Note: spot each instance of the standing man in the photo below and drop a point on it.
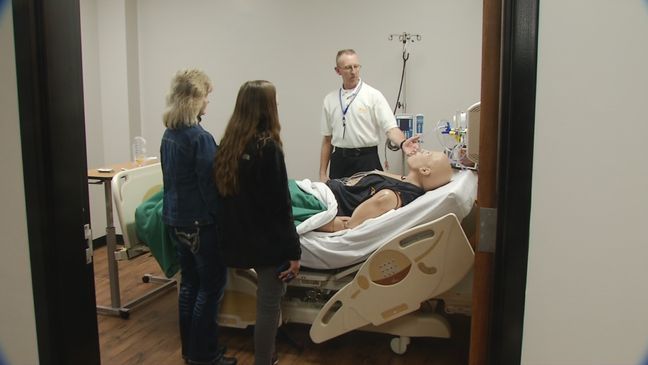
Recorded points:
(353, 117)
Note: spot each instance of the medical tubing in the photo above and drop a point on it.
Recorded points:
(444, 129)
(440, 128)
(453, 152)
(388, 142)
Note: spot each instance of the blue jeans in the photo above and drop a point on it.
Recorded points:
(201, 288)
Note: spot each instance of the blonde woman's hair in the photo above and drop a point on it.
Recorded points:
(186, 98)
(255, 117)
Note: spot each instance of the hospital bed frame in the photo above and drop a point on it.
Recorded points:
(129, 189)
(396, 290)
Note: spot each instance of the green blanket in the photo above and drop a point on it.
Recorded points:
(151, 230)
(304, 205)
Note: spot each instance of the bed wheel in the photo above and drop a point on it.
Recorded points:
(399, 344)
(146, 278)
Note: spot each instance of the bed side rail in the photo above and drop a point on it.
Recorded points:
(417, 265)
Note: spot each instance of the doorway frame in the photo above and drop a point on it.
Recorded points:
(49, 79)
(519, 61)
(50, 89)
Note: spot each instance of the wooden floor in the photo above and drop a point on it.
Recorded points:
(150, 335)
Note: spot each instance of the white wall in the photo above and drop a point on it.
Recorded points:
(587, 288)
(293, 44)
(93, 110)
(289, 42)
(18, 322)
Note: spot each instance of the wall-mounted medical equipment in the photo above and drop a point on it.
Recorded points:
(459, 137)
(472, 138)
(410, 124)
(419, 123)
(405, 123)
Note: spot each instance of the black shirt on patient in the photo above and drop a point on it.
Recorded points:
(349, 197)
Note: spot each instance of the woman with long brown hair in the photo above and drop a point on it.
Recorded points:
(255, 222)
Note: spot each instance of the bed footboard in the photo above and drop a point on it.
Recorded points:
(419, 264)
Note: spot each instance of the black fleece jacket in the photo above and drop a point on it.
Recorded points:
(256, 226)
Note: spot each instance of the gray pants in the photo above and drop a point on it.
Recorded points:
(270, 290)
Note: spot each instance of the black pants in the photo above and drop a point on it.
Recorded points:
(347, 161)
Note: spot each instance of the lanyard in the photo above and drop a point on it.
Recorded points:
(344, 110)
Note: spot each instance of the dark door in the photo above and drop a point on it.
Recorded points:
(509, 61)
(50, 94)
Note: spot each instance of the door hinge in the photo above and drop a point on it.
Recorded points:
(487, 230)
(87, 233)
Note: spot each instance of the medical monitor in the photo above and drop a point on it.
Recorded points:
(405, 123)
(472, 138)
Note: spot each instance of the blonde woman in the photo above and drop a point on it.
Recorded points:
(189, 212)
(256, 228)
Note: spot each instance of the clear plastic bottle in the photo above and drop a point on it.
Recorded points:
(139, 150)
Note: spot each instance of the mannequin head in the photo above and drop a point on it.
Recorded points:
(430, 168)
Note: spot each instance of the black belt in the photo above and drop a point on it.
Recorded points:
(355, 152)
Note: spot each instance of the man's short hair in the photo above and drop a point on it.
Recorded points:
(341, 52)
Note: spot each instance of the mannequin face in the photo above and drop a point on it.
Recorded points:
(432, 168)
(423, 158)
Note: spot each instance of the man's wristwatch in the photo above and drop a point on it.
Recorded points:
(401, 144)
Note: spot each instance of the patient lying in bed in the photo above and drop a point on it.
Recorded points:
(359, 198)
(371, 194)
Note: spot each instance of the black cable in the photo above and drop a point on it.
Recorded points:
(388, 142)
(400, 88)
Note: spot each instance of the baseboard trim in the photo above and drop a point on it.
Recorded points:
(101, 241)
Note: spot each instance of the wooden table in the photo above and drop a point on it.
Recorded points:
(104, 176)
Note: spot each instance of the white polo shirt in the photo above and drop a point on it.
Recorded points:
(368, 116)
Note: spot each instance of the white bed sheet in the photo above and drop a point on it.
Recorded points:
(322, 250)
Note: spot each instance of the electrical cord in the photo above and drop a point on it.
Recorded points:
(400, 88)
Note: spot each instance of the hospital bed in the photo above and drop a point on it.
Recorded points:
(129, 189)
(391, 274)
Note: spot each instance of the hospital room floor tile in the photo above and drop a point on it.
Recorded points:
(150, 336)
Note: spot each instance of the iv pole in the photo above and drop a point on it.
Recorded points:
(404, 38)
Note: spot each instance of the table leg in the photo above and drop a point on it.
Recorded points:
(113, 269)
(116, 307)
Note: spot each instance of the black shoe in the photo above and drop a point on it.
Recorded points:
(223, 360)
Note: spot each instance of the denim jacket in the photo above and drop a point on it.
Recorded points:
(187, 156)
